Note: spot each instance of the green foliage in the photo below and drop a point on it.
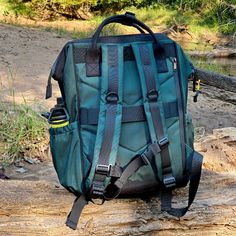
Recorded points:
(211, 13)
(20, 7)
(208, 65)
(108, 6)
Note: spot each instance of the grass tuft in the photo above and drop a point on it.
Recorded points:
(21, 131)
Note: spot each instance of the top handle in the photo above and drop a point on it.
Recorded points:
(93, 54)
(128, 19)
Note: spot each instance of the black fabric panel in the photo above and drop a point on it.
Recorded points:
(80, 56)
(123, 38)
(129, 114)
(161, 65)
(139, 189)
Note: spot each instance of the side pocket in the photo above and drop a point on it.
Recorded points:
(70, 164)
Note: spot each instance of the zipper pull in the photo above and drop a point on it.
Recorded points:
(174, 63)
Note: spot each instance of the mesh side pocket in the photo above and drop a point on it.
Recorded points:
(70, 164)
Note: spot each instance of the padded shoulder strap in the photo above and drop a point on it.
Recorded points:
(110, 117)
(144, 56)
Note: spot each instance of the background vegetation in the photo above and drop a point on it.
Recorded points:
(22, 133)
(220, 14)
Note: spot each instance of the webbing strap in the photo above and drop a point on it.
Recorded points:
(146, 158)
(111, 125)
(166, 199)
(129, 114)
(143, 54)
(76, 210)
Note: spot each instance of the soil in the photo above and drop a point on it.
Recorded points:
(26, 56)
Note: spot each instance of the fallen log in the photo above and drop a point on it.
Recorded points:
(40, 208)
(224, 82)
(215, 53)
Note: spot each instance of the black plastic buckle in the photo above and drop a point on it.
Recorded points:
(97, 190)
(163, 142)
(145, 158)
(169, 181)
(152, 95)
(112, 97)
(103, 169)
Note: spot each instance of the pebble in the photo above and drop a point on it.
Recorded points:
(21, 170)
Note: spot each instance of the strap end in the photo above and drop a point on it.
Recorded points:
(71, 224)
(48, 91)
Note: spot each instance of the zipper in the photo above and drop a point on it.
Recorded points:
(174, 61)
(176, 70)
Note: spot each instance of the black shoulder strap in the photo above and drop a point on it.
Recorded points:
(143, 55)
(166, 199)
(111, 126)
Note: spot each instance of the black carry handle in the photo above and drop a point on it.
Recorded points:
(128, 19)
(93, 53)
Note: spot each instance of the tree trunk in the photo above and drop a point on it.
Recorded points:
(40, 208)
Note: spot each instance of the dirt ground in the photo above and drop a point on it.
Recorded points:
(26, 56)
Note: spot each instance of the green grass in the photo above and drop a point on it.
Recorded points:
(20, 128)
(207, 65)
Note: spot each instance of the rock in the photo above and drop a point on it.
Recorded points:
(21, 170)
(2, 173)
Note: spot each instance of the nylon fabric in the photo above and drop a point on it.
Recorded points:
(138, 99)
(113, 114)
(147, 74)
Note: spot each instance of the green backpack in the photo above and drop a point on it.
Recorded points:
(121, 127)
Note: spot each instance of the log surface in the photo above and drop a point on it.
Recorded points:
(40, 208)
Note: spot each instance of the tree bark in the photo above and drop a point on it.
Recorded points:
(38, 208)
(224, 82)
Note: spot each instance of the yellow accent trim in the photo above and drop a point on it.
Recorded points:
(55, 126)
(198, 86)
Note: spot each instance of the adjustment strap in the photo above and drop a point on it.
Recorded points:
(76, 210)
(114, 189)
(108, 134)
(166, 198)
(144, 56)
(49, 86)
